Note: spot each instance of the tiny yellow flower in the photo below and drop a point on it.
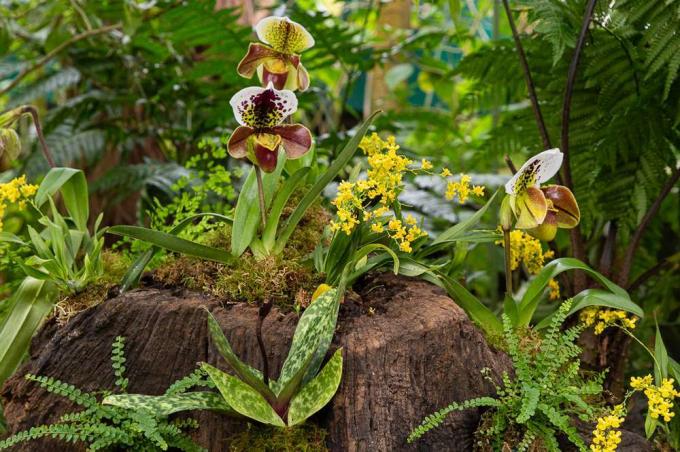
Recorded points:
(377, 228)
(425, 165)
(478, 190)
(554, 287)
(445, 173)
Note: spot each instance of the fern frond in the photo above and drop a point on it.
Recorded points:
(118, 362)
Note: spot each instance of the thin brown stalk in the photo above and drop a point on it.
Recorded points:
(260, 196)
(31, 110)
(52, 53)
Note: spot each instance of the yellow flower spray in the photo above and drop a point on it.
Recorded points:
(15, 193)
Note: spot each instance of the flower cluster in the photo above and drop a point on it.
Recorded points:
(15, 193)
(660, 397)
(603, 318)
(606, 436)
(462, 188)
(527, 250)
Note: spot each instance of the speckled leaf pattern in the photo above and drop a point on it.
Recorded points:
(242, 398)
(165, 405)
(316, 323)
(318, 392)
(249, 375)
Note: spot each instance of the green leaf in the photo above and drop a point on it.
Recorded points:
(269, 234)
(134, 273)
(8, 237)
(661, 357)
(318, 392)
(458, 230)
(247, 213)
(165, 405)
(73, 187)
(316, 323)
(479, 313)
(244, 371)
(242, 398)
(536, 288)
(530, 396)
(368, 249)
(173, 243)
(32, 301)
(343, 158)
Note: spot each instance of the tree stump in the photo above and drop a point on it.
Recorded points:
(408, 351)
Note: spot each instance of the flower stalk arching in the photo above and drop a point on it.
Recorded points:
(10, 117)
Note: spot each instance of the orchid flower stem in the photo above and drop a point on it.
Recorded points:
(508, 267)
(260, 193)
(656, 363)
(30, 109)
(261, 315)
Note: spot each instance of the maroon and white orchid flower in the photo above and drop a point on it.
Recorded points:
(541, 210)
(278, 62)
(261, 113)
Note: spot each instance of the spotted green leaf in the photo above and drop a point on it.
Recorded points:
(316, 323)
(165, 405)
(242, 398)
(246, 373)
(318, 392)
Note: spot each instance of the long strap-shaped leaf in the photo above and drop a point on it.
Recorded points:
(134, 273)
(461, 228)
(73, 187)
(269, 234)
(173, 243)
(527, 306)
(32, 301)
(165, 405)
(343, 158)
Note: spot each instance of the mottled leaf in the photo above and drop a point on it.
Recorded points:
(165, 405)
(242, 398)
(318, 392)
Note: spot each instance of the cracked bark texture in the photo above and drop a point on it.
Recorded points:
(408, 351)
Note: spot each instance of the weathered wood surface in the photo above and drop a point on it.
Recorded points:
(408, 351)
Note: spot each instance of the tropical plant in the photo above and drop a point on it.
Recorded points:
(527, 404)
(103, 427)
(302, 389)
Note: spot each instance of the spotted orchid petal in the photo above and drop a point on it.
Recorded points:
(530, 207)
(284, 35)
(296, 139)
(259, 55)
(263, 108)
(536, 170)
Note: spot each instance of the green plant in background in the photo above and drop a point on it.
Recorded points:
(302, 389)
(64, 257)
(103, 427)
(539, 402)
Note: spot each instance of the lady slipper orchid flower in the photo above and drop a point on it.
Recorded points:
(279, 61)
(261, 112)
(542, 210)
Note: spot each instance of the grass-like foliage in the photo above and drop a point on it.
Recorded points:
(540, 400)
(103, 427)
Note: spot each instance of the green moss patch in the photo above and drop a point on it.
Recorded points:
(304, 438)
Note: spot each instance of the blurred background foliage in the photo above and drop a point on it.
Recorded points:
(129, 88)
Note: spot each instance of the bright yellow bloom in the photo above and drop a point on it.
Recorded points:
(606, 436)
(603, 318)
(660, 398)
(445, 173)
(377, 228)
(478, 190)
(527, 250)
(462, 189)
(15, 193)
(554, 287)
(425, 165)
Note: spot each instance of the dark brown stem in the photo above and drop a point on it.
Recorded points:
(261, 315)
(260, 196)
(531, 88)
(646, 220)
(31, 110)
(608, 250)
(511, 165)
(569, 91)
(646, 276)
(51, 54)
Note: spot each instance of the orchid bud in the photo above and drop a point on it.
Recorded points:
(506, 214)
(10, 148)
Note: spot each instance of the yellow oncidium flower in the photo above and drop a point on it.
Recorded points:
(462, 189)
(527, 250)
(603, 318)
(606, 436)
(15, 193)
(554, 288)
(660, 398)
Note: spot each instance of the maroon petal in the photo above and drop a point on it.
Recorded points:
(278, 80)
(238, 142)
(296, 139)
(266, 159)
(258, 54)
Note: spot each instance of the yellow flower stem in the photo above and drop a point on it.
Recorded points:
(656, 363)
(260, 193)
(508, 264)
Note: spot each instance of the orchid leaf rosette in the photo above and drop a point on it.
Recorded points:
(261, 113)
(541, 210)
(278, 59)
